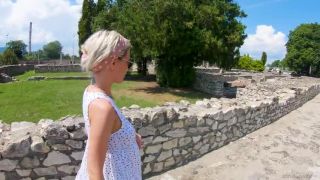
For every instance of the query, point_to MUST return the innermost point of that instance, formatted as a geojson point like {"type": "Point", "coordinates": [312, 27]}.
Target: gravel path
{"type": "Point", "coordinates": [287, 149]}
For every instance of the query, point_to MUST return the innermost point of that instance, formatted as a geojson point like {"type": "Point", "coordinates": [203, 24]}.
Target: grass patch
{"type": "Point", "coordinates": [53, 99]}
{"type": "Point", "coordinates": [28, 74]}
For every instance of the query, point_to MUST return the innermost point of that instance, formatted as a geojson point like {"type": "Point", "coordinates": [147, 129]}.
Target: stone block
{"type": "Point", "coordinates": [28, 162]}
{"type": "Point", "coordinates": [46, 171]}
{"type": "Point", "coordinates": [56, 158]}
{"type": "Point", "coordinates": [176, 133]}
{"type": "Point", "coordinates": [8, 165]}
{"type": "Point", "coordinates": [170, 144]}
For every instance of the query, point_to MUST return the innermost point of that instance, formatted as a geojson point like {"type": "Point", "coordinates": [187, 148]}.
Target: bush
{"type": "Point", "coordinates": [9, 57]}
{"type": "Point", "coordinates": [248, 63]}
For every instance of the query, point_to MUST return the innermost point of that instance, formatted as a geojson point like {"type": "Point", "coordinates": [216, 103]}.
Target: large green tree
{"type": "Point", "coordinates": [52, 50]}
{"type": "Point", "coordinates": [303, 49]}
{"type": "Point", "coordinates": [18, 47]}
{"type": "Point", "coordinates": [189, 32]}
{"type": "Point", "coordinates": [86, 20]}
{"type": "Point", "coordinates": [177, 34]}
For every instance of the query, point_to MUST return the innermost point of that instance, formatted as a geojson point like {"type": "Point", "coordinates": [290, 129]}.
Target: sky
{"type": "Point", "coordinates": [268, 23]}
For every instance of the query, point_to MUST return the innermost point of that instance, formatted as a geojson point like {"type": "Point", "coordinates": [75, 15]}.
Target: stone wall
{"type": "Point", "coordinates": [212, 83]}
{"type": "Point", "coordinates": [14, 70]}
{"type": "Point", "coordinates": [207, 69]}
{"type": "Point", "coordinates": [58, 68]}
{"type": "Point", "coordinates": [173, 134]}
{"type": "Point", "coordinates": [208, 81]}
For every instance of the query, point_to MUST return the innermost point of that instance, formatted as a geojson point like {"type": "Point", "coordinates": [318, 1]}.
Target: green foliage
{"type": "Point", "coordinates": [264, 58]}
{"type": "Point", "coordinates": [1, 59]}
{"type": "Point", "coordinates": [103, 5]}
{"type": "Point", "coordinates": [29, 57]}
{"type": "Point", "coordinates": [248, 63]}
{"type": "Point", "coordinates": [67, 57]}
{"type": "Point", "coordinates": [190, 32]}
{"type": "Point", "coordinates": [178, 34]}
{"type": "Point", "coordinates": [275, 63]}
{"type": "Point", "coordinates": [52, 50]}
{"type": "Point", "coordinates": [257, 65]}
{"type": "Point", "coordinates": [303, 49]}
{"type": "Point", "coordinates": [9, 57]}
{"type": "Point", "coordinates": [85, 23]}
{"type": "Point", "coordinates": [136, 22]}
{"type": "Point", "coordinates": [18, 47]}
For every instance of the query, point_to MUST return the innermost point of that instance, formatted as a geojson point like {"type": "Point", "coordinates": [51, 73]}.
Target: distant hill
{"type": "Point", "coordinates": [2, 49]}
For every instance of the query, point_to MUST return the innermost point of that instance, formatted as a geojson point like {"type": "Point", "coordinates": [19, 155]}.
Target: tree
{"type": "Point", "coordinates": [189, 32]}
{"type": "Point", "coordinates": [1, 59]}
{"type": "Point", "coordinates": [103, 5]}
{"type": "Point", "coordinates": [248, 63]}
{"type": "Point", "coordinates": [85, 23]}
{"type": "Point", "coordinates": [136, 21]}
{"type": "Point", "coordinates": [52, 50]}
{"type": "Point", "coordinates": [303, 49]}
{"type": "Point", "coordinates": [18, 47]}
{"type": "Point", "coordinates": [264, 58]}
{"type": "Point", "coordinates": [9, 57]}
{"type": "Point", "coordinates": [275, 63]}
{"type": "Point", "coordinates": [177, 34]}
{"type": "Point", "coordinates": [67, 57]}
{"type": "Point", "coordinates": [245, 62]}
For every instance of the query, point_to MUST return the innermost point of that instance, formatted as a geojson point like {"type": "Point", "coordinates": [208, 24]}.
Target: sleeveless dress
{"type": "Point", "coordinates": [123, 161]}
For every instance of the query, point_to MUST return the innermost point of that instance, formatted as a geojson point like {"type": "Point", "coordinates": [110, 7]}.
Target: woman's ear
{"type": "Point", "coordinates": [112, 64]}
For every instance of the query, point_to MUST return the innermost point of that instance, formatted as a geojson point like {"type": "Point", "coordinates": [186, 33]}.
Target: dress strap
{"type": "Point", "coordinates": [95, 95]}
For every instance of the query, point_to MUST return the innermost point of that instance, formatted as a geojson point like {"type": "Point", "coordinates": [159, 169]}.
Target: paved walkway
{"type": "Point", "coordinates": [287, 149]}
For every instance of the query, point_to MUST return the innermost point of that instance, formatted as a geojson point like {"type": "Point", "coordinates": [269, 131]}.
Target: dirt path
{"type": "Point", "coordinates": [286, 149]}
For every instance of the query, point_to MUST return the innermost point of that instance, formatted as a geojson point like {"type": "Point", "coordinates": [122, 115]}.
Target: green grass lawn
{"type": "Point", "coordinates": [53, 99]}
{"type": "Point", "coordinates": [28, 74]}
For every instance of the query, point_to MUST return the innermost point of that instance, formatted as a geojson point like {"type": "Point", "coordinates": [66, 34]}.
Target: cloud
{"type": "Point", "coordinates": [52, 20]}
{"type": "Point", "coordinates": [265, 39]}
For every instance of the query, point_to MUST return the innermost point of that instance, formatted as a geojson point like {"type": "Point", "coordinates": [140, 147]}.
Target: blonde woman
{"type": "Point", "coordinates": [112, 149]}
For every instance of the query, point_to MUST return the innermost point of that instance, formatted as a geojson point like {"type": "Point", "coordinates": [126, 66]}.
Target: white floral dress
{"type": "Point", "coordinates": [123, 161]}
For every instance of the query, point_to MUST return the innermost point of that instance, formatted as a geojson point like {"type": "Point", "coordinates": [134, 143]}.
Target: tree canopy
{"type": "Point", "coordinates": [52, 50]}
{"type": "Point", "coordinates": [177, 34]}
{"type": "Point", "coordinates": [18, 47]}
{"type": "Point", "coordinates": [276, 63]}
{"type": "Point", "coordinates": [303, 49]}
{"type": "Point", "coordinates": [8, 57]}
{"type": "Point", "coordinates": [248, 63]}
{"type": "Point", "coordinates": [85, 23]}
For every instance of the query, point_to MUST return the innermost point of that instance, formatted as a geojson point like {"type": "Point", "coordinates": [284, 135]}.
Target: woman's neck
{"type": "Point", "coordinates": [103, 86]}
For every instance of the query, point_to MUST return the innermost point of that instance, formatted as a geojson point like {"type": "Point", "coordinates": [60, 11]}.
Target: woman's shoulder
{"type": "Point", "coordinates": [101, 109]}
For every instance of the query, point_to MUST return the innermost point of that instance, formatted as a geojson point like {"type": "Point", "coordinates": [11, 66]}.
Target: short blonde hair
{"type": "Point", "coordinates": [100, 45]}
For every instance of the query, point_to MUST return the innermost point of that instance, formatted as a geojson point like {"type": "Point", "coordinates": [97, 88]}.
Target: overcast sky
{"type": "Point", "coordinates": [268, 23]}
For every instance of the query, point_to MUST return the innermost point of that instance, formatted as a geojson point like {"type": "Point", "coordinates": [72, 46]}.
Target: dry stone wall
{"type": "Point", "coordinates": [13, 70]}
{"type": "Point", "coordinates": [212, 83]}
{"type": "Point", "coordinates": [173, 134]}
{"type": "Point", "coordinates": [58, 68]}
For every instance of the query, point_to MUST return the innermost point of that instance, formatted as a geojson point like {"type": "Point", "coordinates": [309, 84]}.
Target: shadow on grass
{"type": "Point", "coordinates": [138, 77]}
{"type": "Point", "coordinates": [188, 93]}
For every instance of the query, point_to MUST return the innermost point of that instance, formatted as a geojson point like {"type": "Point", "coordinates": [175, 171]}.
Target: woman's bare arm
{"type": "Point", "coordinates": [102, 117]}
